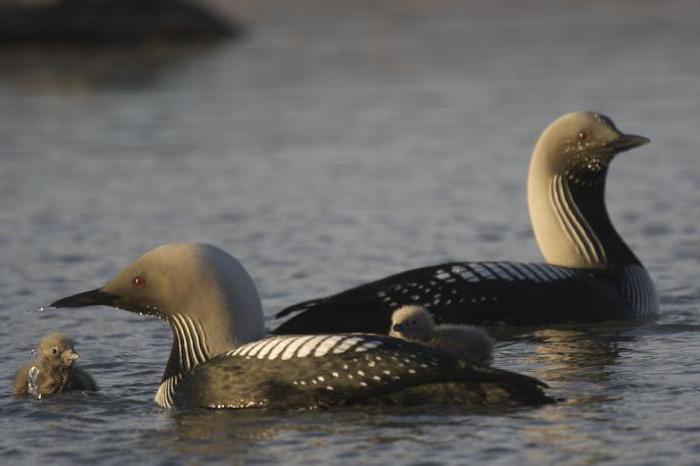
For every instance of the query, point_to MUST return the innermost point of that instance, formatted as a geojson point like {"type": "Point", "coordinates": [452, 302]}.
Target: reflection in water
{"type": "Point", "coordinates": [578, 363]}
{"type": "Point", "coordinates": [566, 355]}
{"type": "Point", "coordinates": [270, 436]}
{"type": "Point", "coordinates": [82, 70]}
{"type": "Point", "coordinates": [227, 433]}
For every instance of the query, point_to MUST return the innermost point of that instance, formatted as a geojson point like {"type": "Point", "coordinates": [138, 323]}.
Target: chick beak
{"type": "Point", "coordinates": [397, 328]}
{"type": "Point", "coordinates": [70, 356]}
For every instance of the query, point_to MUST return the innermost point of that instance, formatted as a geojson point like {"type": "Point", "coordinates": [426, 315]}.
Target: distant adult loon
{"type": "Point", "coordinates": [219, 358]}
{"type": "Point", "coordinates": [590, 275]}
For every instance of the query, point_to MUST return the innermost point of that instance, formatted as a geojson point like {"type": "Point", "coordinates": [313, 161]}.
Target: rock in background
{"type": "Point", "coordinates": [111, 21]}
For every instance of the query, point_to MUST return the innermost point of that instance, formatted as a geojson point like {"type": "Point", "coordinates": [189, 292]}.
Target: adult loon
{"type": "Point", "coordinates": [220, 358]}
{"type": "Point", "coordinates": [590, 275]}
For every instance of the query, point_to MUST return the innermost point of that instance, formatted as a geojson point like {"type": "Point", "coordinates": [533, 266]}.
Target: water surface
{"type": "Point", "coordinates": [340, 142]}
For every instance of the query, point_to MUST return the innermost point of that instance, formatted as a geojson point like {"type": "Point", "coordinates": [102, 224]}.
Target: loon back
{"type": "Point", "coordinates": [482, 293]}
{"type": "Point", "coordinates": [591, 274]}
{"type": "Point", "coordinates": [313, 371]}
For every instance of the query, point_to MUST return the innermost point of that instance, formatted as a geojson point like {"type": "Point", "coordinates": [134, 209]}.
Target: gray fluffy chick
{"type": "Point", "coordinates": [413, 323]}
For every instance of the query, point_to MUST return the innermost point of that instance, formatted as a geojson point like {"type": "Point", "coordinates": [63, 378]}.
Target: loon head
{"type": "Point", "coordinates": [580, 145]}
{"type": "Point", "coordinates": [205, 294]}
{"type": "Point", "coordinates": [566, 191]}
{"type": "Point", "coordinates": [411, 323]}
{"type": "Point", "coordinates": [57, 350]}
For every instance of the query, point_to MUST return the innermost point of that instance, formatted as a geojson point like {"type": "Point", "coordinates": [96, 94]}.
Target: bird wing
{"type": "Point", "coordinates": [21, 382]}
{"type": "Point", "coordinates": [312, 371]}
{"type": "Point", "coordinates": [463, 293]}
{"type": "Point", "coordinates": [82, 380]}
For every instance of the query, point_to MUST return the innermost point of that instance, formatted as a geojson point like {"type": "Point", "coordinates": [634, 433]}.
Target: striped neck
{"type": "Point", "coordinates": [571, 221]}
{"type": "Point", "coordinates": [194, 344]}
{"type": "Point", "coordinates": [190, 346]}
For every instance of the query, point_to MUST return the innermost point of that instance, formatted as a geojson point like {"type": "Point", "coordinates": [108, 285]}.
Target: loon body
{"type": "Point", "coordinates": [590, 274]}
{"type": "Point", "coordinates": [220, 358]}
{"type": "Point", "coordinates": [315, 371]}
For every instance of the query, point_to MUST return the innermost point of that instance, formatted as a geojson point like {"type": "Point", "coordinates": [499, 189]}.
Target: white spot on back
{"type": "Point", "coordinates": [266, 349]}
{"type": "Point", "coordinates": [296, 343]}
{"type": "Point", "coordinates": [442, 275]}
{"type": "Point", "coordinates": [346, 344]}
{"type": "Point", "coordinates": [310, 345]}
{"type": "Point", "coordinates": [327, 344]}
{"type": "Point", "coordinates": [254, 347]}
{"type": "Point", "coordinates": [284, 343]}
{"type": "Point", "coordinates": [371, 344]}
{"type": "Point", "coordinates": [484, 271]}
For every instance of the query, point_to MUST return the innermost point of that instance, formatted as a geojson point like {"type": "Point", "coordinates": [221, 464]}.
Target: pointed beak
{"type": "Point", "coordinates": [627, 141]}
{"type": "Point", "coordinates": [73, 355]}
{"type": "Point", "coordinates": [95, 297]}
{"type": "Point", "coordinates": [397, 328]}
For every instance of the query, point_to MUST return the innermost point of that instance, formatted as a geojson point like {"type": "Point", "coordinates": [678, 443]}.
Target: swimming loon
{"type": "Point", "coordinates": [590, 275]}
{"type": "Point", "coordinates": [220, 358]}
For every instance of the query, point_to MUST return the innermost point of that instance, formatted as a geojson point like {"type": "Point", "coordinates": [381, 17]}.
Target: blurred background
{"type": "Point", "coordinates": [326, 144]}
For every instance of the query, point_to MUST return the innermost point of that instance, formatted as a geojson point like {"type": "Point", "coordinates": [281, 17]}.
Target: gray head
{"type": "Point", "coordinates": [206, 296]}
{"type": "Point", "coordinates": [580, 145]}
{"type": "Point", "coordinates": [411, 323]}
{"type": "Point", "coordinates": [57, 350]}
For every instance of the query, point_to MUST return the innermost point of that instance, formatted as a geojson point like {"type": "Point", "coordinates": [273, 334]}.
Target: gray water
{"type": "Point", "coordinates": [338, 143]}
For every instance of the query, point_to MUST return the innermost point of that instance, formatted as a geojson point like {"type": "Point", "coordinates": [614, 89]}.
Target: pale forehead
{"type": "Point", "coordinates": [170, 254]}
{"type": "Point", "coordinates": [581, 119]}
{"type": "Point", "coordinates": [408, 312]}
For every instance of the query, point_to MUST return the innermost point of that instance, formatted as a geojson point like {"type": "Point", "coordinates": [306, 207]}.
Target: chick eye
{"type": "Point", "coordinates": [54, 350]}
{"type": "Point", "coordinates": [139, 282]}
{"type": "Point", "coordinates": [413, 322]}
{"type": "Point", "coordinates": [582, 135]}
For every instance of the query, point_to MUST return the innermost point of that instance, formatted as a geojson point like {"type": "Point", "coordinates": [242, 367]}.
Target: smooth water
{"type": "Point", "coordinates": [338, 143]}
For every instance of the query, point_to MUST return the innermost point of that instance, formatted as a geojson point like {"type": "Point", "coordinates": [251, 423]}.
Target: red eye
{"type": "Point", "coordinates": [582, 135]}
{"type": "Point", "coordinates": [139, 282]}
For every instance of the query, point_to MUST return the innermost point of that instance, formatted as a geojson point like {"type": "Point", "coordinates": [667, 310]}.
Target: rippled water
{"type": "Point", "coordinates": [340, 142]}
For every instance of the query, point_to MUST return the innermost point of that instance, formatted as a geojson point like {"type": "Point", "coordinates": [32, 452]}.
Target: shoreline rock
{"type": "Point", "coordinates": [92, 22]}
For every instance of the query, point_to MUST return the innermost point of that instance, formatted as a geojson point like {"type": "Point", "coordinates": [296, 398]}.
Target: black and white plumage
{"type": "Point", "coordinates": [481, 293]}
{"type": "Point", "coordinates": [219, 358]}
{"type": "Point", "coordinates": [338, 370]}
{"type": "Point", "coordinates": [590, 275]}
